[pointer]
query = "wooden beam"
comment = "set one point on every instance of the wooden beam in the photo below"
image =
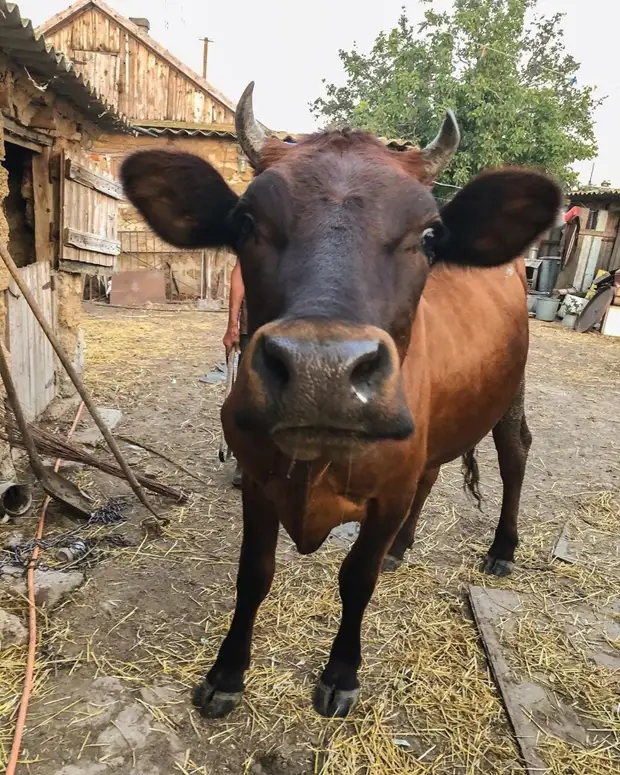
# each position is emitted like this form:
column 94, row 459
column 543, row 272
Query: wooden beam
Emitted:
column 93, row 242
column 16, row 130
column 14, row 140
column 81, row 267
column 90, row 179
column 43, row 192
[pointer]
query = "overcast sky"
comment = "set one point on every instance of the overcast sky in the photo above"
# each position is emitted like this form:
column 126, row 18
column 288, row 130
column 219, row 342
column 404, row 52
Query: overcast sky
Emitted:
column 289, row 47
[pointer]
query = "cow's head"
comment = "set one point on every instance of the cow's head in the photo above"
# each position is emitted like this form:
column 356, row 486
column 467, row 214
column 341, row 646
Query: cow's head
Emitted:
column 336, row 236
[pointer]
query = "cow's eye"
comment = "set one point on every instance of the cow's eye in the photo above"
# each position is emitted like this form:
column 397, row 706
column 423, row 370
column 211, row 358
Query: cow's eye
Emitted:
column 432, row 236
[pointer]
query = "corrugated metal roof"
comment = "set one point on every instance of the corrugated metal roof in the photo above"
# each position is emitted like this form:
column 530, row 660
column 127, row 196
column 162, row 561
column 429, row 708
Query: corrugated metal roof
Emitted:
column 396, row 144
column 600, row 192
column 53, row 70
column 158, row 131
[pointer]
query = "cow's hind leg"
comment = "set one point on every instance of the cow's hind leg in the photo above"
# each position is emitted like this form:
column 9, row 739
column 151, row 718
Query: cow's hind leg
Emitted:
column 338, row 688
column 222, row 689
column 404, row 540
column 513, row 440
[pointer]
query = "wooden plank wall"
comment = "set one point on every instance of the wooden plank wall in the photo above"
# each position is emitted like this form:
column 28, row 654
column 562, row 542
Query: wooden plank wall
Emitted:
column 131, row 76
column 90, row 213
column 32, row 357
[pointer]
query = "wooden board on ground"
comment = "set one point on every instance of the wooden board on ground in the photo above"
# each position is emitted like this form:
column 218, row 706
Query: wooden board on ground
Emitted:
column 535, row 710
column 587, row 544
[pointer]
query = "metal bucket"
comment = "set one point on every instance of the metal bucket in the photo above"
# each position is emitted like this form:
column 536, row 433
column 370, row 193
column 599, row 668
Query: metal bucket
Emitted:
column 532, row 301
column 15, row 500
column 569, row 320
column 548, row 273
column 547, row 309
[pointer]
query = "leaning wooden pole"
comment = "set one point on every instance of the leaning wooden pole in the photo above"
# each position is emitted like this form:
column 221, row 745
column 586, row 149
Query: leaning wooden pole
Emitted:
column 74, row 377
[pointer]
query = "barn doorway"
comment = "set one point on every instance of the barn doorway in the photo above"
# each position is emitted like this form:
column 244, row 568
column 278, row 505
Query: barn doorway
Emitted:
column 18, row 205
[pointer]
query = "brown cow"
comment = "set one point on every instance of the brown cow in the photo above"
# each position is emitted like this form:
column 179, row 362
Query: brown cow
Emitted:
column 388, row 338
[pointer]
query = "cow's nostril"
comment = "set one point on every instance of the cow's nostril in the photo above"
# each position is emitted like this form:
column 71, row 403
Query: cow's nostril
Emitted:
column 277, row 360
column 370, row 370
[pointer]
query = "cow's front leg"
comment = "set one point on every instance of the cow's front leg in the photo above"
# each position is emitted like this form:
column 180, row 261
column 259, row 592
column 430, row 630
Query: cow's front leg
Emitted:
column 338, row 688
column 222, row 689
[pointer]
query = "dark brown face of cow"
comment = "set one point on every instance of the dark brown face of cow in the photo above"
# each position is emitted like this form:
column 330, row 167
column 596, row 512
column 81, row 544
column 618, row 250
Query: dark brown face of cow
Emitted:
column 330, row 237
column 333, row 267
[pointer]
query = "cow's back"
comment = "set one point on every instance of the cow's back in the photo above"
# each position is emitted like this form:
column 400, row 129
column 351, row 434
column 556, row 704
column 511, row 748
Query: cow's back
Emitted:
column 473, row 326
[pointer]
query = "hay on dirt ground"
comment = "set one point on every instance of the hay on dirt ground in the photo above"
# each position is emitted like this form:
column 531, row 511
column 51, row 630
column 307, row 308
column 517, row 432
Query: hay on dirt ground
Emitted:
column 428, row 703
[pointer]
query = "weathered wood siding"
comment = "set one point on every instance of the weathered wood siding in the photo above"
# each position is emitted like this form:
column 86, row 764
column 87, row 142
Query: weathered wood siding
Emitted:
column 596, row 248
column 32, row 357
column 89, row 225
column 132, row 77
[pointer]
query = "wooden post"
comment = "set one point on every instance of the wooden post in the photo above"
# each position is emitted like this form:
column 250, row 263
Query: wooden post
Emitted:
column 205, row 56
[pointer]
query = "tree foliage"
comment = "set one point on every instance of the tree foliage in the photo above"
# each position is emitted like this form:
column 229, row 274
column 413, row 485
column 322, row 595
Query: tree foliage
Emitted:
column 502, row 69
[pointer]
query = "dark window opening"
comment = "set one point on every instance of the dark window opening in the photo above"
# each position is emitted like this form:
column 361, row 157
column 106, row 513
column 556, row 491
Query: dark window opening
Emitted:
column 592, row 220
column 19, row 204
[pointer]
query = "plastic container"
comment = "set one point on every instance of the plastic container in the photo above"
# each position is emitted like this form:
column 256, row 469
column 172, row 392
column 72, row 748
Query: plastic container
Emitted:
column 547, row 309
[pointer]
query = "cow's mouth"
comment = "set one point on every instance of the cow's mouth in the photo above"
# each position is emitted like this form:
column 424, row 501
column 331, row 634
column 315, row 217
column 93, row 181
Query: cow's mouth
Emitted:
column 312, row 442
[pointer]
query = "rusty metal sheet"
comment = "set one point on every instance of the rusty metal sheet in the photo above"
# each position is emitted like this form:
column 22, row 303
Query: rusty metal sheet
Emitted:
column 134, row 289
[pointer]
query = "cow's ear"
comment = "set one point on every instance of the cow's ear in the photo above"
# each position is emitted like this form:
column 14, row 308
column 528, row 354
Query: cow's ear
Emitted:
column 494, row 218
column 182, row 197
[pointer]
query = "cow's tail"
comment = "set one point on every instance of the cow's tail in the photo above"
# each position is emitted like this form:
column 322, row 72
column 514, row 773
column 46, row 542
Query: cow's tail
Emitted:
column 471, row 475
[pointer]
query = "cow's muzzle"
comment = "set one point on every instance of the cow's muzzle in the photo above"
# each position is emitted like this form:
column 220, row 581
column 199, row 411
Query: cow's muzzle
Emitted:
column 321, row 388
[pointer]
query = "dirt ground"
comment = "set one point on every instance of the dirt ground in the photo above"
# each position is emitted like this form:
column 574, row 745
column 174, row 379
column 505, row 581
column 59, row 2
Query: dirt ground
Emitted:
column 117, row 661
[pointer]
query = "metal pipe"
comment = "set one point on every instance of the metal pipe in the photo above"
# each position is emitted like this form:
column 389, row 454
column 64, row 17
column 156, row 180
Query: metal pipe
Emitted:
column 15, row 500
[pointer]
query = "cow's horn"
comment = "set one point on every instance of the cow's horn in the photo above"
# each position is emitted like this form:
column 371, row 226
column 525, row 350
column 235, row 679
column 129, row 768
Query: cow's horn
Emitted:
column 250, row 135
column 439, row 152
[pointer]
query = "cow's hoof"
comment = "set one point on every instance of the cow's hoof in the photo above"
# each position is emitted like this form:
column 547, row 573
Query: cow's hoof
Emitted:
column 332, row 702
column 390, row 563
column 213, row 703
column 496, row 567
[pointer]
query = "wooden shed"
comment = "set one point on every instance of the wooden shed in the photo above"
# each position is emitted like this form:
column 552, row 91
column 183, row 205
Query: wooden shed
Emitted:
column 598, row 244
column 167, row 105
column 59, row 210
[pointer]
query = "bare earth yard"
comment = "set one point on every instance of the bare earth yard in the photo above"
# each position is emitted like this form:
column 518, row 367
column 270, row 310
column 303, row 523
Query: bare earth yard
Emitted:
column 117, row 660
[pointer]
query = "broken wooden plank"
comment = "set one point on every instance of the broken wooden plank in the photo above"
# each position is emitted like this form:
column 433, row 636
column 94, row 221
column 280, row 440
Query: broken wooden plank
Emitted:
column 26, row 134
column 104, row 266
column 525, row 730
column 91, row 180
column 561, row 548
column 93, row 242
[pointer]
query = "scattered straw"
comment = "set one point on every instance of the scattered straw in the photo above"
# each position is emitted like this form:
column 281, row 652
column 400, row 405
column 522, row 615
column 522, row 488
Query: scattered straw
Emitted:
column 428, row 705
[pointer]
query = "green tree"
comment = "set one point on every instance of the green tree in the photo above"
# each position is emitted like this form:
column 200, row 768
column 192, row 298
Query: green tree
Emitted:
column 502, row 69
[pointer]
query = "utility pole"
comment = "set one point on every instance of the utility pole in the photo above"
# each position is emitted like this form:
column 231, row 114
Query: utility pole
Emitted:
column 591, row 171
column 205, row 56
